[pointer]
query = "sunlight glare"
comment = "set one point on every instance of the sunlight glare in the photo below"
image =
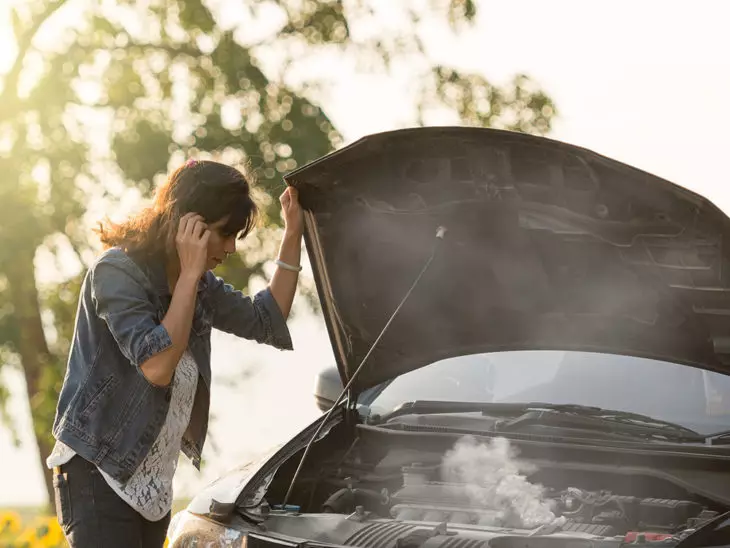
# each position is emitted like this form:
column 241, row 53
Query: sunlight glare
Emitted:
column 7, row 40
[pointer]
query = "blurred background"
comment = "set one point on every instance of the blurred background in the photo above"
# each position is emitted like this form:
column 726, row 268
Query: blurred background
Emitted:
column 99, row 99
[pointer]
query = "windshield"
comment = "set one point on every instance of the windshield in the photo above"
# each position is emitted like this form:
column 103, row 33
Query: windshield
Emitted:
column 688, row 396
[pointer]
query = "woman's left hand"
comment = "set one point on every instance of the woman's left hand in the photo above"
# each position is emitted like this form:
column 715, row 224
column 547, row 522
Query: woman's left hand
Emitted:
column 291, row 211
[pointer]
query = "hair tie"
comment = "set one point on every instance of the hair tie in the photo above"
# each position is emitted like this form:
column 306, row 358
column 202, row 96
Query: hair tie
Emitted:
column 191, row 162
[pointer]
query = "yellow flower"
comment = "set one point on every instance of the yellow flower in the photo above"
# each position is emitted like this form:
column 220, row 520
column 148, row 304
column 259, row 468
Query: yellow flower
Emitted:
column 9, row 523
column 52, row 534
column 43, row 532
column 27, row 539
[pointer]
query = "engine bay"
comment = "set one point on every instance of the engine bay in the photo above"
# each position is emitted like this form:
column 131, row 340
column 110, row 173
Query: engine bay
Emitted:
column 481, row 493
column 601, row 513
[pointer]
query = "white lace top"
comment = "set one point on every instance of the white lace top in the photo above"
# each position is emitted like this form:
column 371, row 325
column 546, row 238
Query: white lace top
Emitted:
column 149, row 491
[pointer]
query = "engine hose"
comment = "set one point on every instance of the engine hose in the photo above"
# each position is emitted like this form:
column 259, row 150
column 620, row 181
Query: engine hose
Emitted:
column 344, row 501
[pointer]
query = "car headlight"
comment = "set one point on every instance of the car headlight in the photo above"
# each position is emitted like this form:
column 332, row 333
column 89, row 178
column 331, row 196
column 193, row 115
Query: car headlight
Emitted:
column 188, row 530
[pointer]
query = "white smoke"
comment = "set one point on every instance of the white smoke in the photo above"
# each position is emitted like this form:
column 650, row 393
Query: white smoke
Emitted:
column 496, row 479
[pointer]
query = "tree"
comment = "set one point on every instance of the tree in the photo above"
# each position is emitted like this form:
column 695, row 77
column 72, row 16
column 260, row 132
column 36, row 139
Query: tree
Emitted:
column 122, row 92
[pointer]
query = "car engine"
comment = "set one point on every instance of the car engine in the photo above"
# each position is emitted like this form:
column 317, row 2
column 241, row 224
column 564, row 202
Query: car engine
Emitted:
column 599, row 513
column 425, row 512
column 385, row 504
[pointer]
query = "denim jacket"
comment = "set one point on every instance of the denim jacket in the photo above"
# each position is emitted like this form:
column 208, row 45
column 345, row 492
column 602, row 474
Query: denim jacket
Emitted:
column 108, row 412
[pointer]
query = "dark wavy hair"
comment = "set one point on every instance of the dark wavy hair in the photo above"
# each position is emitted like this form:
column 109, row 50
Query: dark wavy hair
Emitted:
column 211, row 189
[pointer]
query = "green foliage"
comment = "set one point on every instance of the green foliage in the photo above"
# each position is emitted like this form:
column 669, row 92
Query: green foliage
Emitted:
column 518, row 106
column 319, row 22
column 137, row 166
column 127, row 86
column 461, row 11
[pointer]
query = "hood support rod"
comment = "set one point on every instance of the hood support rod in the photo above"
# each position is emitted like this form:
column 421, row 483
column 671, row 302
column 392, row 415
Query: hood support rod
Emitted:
column 440, row 233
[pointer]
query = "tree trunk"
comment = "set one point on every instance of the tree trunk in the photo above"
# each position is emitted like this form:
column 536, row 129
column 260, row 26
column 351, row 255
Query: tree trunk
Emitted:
column 34, row 352
column 44, row 449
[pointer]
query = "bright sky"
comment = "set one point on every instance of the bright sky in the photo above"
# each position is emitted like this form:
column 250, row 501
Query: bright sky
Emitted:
column 644, row 82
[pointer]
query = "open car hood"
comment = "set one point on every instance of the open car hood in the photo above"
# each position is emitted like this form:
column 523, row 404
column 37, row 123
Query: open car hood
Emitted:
column 548, row 246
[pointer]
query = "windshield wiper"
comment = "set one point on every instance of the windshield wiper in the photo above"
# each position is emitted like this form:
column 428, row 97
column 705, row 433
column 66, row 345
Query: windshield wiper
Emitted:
column 623, row 422
column 427, row 407
column 521, row 414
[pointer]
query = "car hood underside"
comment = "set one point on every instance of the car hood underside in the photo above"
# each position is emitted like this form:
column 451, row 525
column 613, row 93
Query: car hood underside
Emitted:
column 547, row 246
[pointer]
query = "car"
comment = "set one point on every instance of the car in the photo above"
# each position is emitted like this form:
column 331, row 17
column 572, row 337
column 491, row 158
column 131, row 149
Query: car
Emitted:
column 532, row 347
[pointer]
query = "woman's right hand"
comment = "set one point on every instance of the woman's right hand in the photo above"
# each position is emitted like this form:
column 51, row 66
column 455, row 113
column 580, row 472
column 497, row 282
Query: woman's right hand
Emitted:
column 192, row 245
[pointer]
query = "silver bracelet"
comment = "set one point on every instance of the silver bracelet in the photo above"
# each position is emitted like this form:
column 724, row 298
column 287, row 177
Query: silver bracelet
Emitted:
column 286, row 266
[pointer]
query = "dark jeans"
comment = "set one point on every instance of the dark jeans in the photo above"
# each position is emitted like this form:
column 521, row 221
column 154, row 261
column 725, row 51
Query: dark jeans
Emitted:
column 91, row 514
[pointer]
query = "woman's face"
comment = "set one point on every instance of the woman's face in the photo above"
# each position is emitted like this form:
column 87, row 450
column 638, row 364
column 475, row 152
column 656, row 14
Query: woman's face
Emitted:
column 219, row 245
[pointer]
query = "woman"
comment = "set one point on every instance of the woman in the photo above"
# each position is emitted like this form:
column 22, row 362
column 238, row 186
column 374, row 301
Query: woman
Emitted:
column 137, row 385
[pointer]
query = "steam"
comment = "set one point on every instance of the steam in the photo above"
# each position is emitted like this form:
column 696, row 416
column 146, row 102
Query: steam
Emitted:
column 496, row 479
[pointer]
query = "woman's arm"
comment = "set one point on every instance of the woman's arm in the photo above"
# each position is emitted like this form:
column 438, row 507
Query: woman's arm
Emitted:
column 192, row 248
column 160, row 368
column 283, row 284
